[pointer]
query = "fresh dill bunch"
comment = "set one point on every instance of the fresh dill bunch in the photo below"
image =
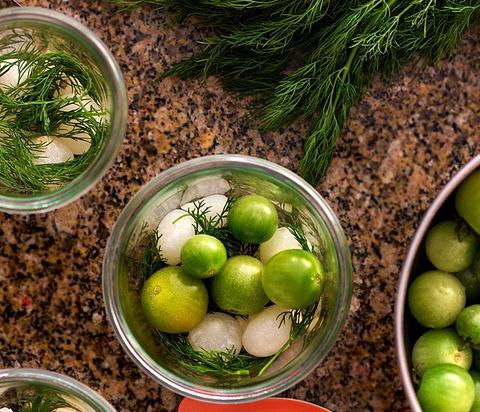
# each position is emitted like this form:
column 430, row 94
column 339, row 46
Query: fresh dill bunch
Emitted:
column 315, row 59
column 43, row 402
column 35, row 107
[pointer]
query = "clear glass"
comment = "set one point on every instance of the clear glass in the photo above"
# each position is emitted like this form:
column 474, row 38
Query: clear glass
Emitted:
column 65, row 33
column 214, row 175
column 21, row 384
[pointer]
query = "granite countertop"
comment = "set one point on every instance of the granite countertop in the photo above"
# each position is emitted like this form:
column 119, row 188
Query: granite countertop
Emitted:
column 403, row 142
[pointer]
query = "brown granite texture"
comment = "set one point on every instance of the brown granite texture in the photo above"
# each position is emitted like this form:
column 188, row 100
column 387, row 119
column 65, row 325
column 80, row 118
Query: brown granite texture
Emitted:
column 402, row 143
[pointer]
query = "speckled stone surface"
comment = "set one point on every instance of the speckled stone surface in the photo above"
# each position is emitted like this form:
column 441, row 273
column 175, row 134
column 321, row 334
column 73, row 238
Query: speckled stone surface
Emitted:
column 403, row 142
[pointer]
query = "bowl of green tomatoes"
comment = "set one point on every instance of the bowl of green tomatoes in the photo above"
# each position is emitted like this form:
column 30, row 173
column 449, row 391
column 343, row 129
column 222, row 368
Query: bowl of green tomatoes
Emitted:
column 437, row 321
column 227, row 278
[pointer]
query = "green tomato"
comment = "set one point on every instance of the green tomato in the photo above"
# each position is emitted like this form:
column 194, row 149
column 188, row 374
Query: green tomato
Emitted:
column 238, row 287
column 293, row 279
column 467, row 200
column 253, row 219
column 172, row 301
column 446, row 388
column 476, row 380
column 203, row 256
column 475, row 268
column 471, row 283
column 450, row 248
column 436, row 298
column 468, row 324
column 440, row 346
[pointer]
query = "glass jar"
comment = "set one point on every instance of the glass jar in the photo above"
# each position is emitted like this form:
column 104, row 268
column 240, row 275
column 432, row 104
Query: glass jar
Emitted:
column 61, row 32
column 23, row 384
column 193, row 180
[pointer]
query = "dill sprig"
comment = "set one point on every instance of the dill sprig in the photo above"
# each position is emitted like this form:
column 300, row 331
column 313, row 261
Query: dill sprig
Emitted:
column 35, row 107
column 42, row 402
column 314, row 59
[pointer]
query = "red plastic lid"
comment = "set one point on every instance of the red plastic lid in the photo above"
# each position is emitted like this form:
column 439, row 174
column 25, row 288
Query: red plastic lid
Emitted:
column 267, row 405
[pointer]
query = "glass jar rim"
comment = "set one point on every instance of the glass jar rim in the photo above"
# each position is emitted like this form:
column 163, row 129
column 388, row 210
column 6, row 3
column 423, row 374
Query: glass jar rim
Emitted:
column 182, row 386
column 111, row 70
column 56, row 380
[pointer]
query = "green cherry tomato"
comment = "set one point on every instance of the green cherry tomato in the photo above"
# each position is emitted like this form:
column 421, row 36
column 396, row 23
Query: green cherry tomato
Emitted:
column 467, row 200
column 203, row 256
column 450, row 247
column 472, row 284
column 446, row 388
column 253, row 219
column 468, row 324
column 476, row 380
column 440, row 346
column 238, row 287
column 293, row 278
column 436, row 298
column 172, row 301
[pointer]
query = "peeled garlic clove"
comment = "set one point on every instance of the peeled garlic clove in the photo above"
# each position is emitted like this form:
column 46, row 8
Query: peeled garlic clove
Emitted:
column 212, row 205
column 5, row 410
column 52, row 151
column 174, row 230
column 217, row 332
column 281, row 240
column 267, row 332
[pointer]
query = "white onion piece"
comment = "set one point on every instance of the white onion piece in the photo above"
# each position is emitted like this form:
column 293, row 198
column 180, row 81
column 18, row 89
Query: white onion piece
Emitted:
column 266, row 334
column 79, row 145
column 215, row 205
column 5, row 410
column 51, row 152
column 218, row 332
column 12, row 76
column 282, row 239
column 174, row 230
column 205, row 187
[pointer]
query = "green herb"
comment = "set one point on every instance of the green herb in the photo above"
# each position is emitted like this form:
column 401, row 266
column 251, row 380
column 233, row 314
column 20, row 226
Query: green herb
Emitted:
column 35, row 108
column 314, row 58
column 43, row 402
column 297, row 231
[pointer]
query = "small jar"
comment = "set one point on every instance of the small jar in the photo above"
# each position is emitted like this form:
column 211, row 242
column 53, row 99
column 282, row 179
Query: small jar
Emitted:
column 22, row 384
column 65, row 33
column 188, row 182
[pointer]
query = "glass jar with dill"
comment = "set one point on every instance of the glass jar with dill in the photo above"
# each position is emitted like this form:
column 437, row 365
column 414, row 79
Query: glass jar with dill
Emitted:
column 63, row 109
column 38, row 390
column 230, row 329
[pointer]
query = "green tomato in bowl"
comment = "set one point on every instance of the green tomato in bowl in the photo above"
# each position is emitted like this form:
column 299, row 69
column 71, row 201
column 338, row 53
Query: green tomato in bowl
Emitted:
column 436, row 298
column 451, row 247
column 253, row 219
column 440, row 346
column 293, row 279
column 446, row 388
column 203, row 256
column 476, row 380
column 468, row 325
column 471, row 282
column 467, row 200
